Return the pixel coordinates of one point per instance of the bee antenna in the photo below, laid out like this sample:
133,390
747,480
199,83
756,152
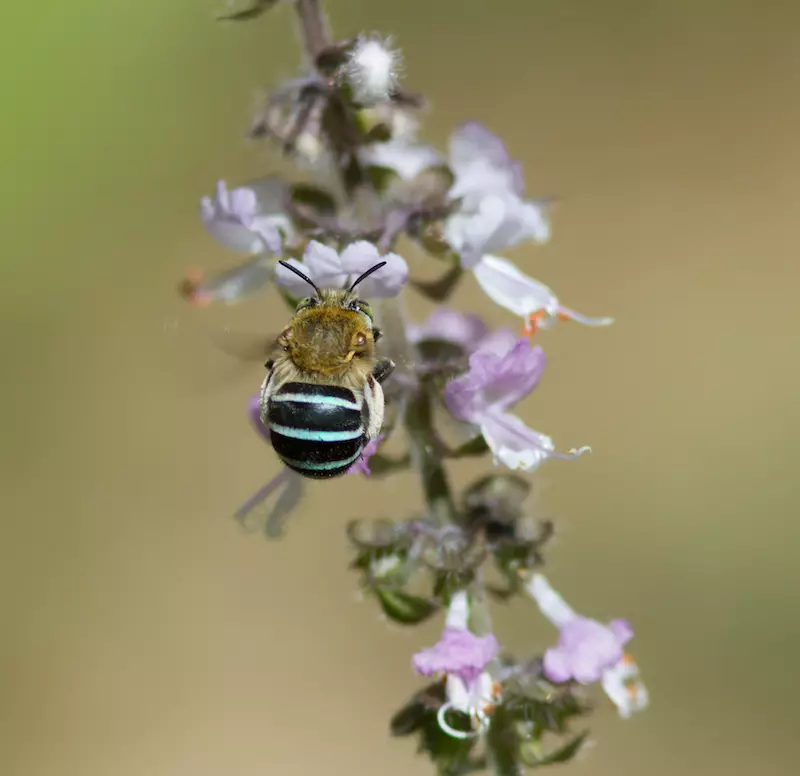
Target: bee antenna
305,277
367,274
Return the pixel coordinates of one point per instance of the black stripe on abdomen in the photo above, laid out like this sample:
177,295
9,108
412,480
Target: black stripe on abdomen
317,430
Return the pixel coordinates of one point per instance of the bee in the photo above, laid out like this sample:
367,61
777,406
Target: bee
322,399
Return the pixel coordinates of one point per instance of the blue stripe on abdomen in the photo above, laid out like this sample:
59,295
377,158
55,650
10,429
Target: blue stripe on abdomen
315,435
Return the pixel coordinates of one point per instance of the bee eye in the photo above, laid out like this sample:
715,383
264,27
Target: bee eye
355,306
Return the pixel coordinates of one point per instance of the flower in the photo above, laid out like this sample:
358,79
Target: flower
462,657
361,464
500,374
505,285
405,158
589,651
463,329
492,215
371,70
327,268
250,218
229,286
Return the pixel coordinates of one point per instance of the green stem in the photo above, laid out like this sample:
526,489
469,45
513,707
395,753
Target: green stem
417,414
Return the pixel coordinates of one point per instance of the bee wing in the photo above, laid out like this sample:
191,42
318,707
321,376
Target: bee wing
205,357
245,346
269,508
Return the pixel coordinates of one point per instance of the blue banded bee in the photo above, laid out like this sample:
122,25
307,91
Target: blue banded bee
322,399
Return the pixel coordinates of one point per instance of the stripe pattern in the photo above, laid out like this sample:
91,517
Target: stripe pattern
317,430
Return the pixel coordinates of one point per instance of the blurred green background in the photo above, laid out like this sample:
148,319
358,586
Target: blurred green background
144,633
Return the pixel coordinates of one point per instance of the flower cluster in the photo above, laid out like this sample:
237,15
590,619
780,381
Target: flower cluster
349,122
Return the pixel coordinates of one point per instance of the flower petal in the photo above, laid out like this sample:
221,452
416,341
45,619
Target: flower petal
361,464
514,444
458,611
388,281
464,329
507,286
584,319
494,382
254,411
551,604
408,160
623,685
458,652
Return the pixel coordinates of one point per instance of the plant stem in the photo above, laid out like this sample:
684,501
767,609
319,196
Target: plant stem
313,27
417,418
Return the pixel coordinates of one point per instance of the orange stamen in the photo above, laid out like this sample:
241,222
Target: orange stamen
532,324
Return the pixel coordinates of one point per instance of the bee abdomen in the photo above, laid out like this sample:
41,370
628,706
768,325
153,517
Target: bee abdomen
317,430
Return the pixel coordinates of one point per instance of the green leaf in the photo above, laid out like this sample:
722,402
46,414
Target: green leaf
314,198
439,290
257,8
405,608
503,742
476,446
381,177
381,465
561,755
418,711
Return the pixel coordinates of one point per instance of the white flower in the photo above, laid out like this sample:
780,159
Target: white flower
371,70
505,285
488,183
497,221
406,158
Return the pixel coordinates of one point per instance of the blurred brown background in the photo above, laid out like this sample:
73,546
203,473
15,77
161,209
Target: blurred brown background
144,633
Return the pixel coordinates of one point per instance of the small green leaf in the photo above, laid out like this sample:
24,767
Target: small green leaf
503,742
439,290
381,177
255,10
381,465
418,711
561,755
314,198
476,446
405,608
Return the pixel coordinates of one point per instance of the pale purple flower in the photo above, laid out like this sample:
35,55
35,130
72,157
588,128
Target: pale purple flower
481,165
249,218
492,215
589,651
231,285
463,329
458,653
329,269
538,306
462,657
500,374
361,464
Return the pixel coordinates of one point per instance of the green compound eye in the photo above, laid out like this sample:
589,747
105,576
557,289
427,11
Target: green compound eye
361,306
304,304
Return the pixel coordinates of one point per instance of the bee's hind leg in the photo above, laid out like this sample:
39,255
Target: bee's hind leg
383,369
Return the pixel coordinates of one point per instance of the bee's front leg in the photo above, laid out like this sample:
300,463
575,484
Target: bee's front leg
383,369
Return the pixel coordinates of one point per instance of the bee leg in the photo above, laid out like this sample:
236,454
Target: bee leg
376,334
383,369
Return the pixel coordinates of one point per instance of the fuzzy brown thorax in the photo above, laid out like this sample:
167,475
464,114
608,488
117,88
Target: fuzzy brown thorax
327,339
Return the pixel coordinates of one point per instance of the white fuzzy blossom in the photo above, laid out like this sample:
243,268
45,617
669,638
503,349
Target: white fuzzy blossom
372,70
